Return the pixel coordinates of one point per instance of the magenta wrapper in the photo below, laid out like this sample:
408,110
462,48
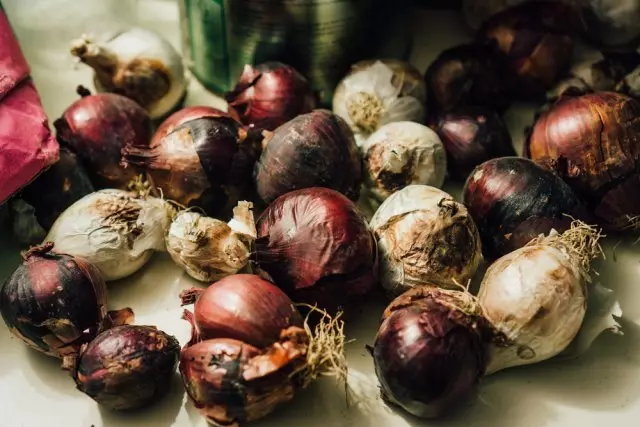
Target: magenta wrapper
27,146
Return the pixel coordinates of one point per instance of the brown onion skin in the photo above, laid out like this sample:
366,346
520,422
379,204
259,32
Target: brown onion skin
428,356
199,157
316,246
96,128
313,150
54,302
270,94
468,75
471,136
537,41
592,143
128,367
247,308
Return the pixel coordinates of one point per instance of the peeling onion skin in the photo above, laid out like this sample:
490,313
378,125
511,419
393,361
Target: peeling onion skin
96,128
424,236
198,157
313,150
471,136
316,246
429,353
512,201
270,94
54,302
592,143
128,367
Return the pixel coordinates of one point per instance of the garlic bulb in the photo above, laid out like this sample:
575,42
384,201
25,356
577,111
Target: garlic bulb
139,64
425,236
378,92
113,230
209,249
400,154
536,296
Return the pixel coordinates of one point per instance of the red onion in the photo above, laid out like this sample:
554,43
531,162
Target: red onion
270,94
313,150
472,136
199,156
593,143
127,367
429,351
317,247
243,307
96,128
513,200
54,302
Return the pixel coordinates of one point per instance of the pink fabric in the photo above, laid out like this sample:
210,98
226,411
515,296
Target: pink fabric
26,144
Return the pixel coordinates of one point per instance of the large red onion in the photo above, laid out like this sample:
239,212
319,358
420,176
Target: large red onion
317,247
270,94
313,150
199,156
429,351
96,128
593,143
243,307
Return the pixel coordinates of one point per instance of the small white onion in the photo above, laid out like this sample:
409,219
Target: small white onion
209,249
375,93
114,230
139,64
425,236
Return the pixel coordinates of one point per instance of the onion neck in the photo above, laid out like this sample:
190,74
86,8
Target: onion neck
103,61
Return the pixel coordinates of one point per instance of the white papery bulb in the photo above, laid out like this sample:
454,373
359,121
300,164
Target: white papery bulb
375,93
209,249
425,236
114,230
138,64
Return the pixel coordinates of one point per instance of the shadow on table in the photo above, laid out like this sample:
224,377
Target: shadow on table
46,372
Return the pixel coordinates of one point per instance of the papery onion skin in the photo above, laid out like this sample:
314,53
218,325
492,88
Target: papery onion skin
270,94
591,142
471,136
96,128
54,302
512,200
199,156
316,246
244,307
424,236
429,351
128,367
231,382
313,150
468,75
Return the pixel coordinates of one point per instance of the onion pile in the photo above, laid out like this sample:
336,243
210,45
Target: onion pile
270,94
591,141
425,236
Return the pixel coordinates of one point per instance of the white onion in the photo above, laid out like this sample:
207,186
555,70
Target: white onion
139,64
209,249
377,93
425,236
113,230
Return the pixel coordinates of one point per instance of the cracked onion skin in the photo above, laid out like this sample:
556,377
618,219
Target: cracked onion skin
512,200
317,149
128,367
592,142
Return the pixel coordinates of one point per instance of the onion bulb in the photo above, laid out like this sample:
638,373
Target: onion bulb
400,154
138,64
375,93
113,230
477,12
424,236
536,296
429,351
612,24
209,249
592,143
